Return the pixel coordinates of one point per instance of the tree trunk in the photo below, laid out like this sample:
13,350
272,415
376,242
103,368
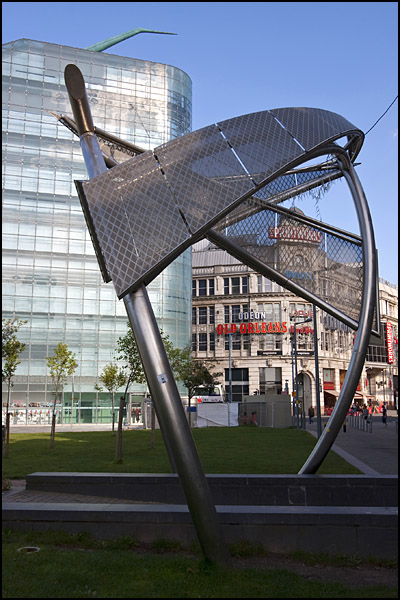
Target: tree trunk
6,444
53,430
118,450
153,424
53,421
113,413
6,441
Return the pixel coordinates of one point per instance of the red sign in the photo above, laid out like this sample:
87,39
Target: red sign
272,327
389,341
295,233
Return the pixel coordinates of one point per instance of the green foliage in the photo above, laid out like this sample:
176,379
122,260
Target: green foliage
128,353
112,377
11,348
61,365
189,371
192,372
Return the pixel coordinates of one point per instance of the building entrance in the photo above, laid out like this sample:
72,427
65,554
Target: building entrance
305,391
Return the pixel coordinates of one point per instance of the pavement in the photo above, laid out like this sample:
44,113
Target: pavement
374,452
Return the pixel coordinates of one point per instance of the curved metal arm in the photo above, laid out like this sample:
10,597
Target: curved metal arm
354,371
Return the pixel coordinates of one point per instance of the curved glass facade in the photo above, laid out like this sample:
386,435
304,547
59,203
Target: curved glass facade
50,273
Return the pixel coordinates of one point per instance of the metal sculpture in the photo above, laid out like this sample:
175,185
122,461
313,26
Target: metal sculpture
225,182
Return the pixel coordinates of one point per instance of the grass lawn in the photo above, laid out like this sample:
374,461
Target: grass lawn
77,566
221,450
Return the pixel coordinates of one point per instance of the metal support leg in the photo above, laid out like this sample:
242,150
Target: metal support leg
354,371
175,427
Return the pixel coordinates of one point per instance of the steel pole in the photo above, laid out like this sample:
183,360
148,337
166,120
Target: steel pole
173,423
230,367
296,374
317,394
175,427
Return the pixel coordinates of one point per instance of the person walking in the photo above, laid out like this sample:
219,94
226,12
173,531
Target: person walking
310,414
384,414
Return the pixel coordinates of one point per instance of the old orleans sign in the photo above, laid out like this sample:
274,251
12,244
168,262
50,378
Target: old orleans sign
271,327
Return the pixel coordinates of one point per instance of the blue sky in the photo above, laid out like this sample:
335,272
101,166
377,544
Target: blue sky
245,57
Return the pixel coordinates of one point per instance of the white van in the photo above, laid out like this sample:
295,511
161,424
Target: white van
209,393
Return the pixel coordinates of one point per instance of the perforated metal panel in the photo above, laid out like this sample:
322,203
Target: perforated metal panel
135,218
328,265
313,126
261,142
146,211
204,175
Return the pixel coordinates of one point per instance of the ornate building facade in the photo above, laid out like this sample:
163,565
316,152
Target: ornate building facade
243,325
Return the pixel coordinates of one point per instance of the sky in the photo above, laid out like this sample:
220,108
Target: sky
244,57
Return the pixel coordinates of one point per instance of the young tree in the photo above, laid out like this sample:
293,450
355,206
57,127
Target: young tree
61,365
193,373
112,378
11,348
128,353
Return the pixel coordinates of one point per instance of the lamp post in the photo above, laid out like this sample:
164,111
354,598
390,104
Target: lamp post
295,323
317,396
230,368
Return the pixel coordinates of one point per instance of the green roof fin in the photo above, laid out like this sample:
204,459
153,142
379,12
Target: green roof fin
120,38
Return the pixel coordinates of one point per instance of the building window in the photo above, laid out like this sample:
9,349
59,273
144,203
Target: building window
194,342
270,380
245,285
202,315
266,285
212,342
202,342
240,383
232,312
270,312
235,285
203,287
328,379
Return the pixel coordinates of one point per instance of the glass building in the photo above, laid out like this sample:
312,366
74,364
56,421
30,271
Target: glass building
50,273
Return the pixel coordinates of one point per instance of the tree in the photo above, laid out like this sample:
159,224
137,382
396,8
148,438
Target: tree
112,378
128,353
192,373
61,365
11,348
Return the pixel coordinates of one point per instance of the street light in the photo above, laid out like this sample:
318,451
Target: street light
295,323
317,390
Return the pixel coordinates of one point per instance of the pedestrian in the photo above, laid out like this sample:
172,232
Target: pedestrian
365,412
310,414
384,414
